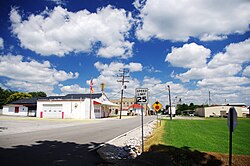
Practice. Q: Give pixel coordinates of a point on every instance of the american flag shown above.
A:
(91, 86)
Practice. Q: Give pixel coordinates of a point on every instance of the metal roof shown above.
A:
(67, 97)
(82, 96)
(27, 101)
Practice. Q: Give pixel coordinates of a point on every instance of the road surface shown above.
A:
(63, 146)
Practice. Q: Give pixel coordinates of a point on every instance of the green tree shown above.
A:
(181, 108)
(192, 106)
(17, 96)
(4, 94)
(38, 94)
(166, 107)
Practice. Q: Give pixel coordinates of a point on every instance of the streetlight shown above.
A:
(170, 102)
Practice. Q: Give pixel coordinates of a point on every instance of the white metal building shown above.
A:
(216, 111)
(22, 107)
(17, 110)
(75, 106)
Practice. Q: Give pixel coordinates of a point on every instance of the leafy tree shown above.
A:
(8, 96)
(192, 106)
(166, 107)
(184, 108)
(17, 96)
(38, 94)
(181, 107)
(4, 94)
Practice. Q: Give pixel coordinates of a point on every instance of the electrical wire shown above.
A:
(117, 93)
(157, 93)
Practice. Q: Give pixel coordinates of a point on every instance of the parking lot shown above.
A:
(14, 125)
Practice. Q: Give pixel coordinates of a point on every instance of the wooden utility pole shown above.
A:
(123, 75)
(209, 98)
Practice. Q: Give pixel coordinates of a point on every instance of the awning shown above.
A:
(97, 102)
(108, 103)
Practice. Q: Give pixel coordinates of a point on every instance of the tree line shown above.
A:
(184, 109)
(7, 96)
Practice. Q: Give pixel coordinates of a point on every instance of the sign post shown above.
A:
(141, 98)
(231, 122)
(157, 107)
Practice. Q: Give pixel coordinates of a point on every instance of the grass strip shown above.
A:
(210, 135)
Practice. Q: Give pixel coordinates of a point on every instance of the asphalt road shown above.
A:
(70, 145)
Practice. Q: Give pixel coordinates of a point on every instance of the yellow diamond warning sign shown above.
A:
(157, 106)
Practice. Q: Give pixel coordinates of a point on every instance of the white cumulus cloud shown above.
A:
(246, 71)
(30, 74)
(206, 72)
(114, 67)
(73, 89)
(189, 56)
(235, 53)
(223, 64)
(224, 75)
(224, 81)
(109, 76)
(179, 20)
(59, 31)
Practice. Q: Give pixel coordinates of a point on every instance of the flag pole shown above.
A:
(90, 104)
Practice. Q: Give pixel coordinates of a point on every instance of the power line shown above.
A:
(123, 75)
(114, 94)
(129, 93)
(157, 93)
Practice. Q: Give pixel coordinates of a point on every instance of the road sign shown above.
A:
(232, 119)
(141, 95)
(157, 106)
(231, 122)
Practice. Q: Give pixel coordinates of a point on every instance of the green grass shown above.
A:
(210, 135)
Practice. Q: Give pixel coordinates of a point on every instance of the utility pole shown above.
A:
(209, 98)
(170, 102)
(123, 75)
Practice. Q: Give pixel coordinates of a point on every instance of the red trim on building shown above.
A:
(136, 106)
(97, 103)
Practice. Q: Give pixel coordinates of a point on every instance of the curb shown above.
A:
(124, 134)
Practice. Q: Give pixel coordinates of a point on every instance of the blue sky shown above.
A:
(57, 46)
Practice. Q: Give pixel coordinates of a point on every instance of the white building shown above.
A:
(218, 111)
(75, 106)
(22, 107)
(136, 109)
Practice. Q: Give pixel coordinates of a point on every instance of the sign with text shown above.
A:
(141, 95)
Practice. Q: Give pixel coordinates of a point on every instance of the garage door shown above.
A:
(52, 110)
